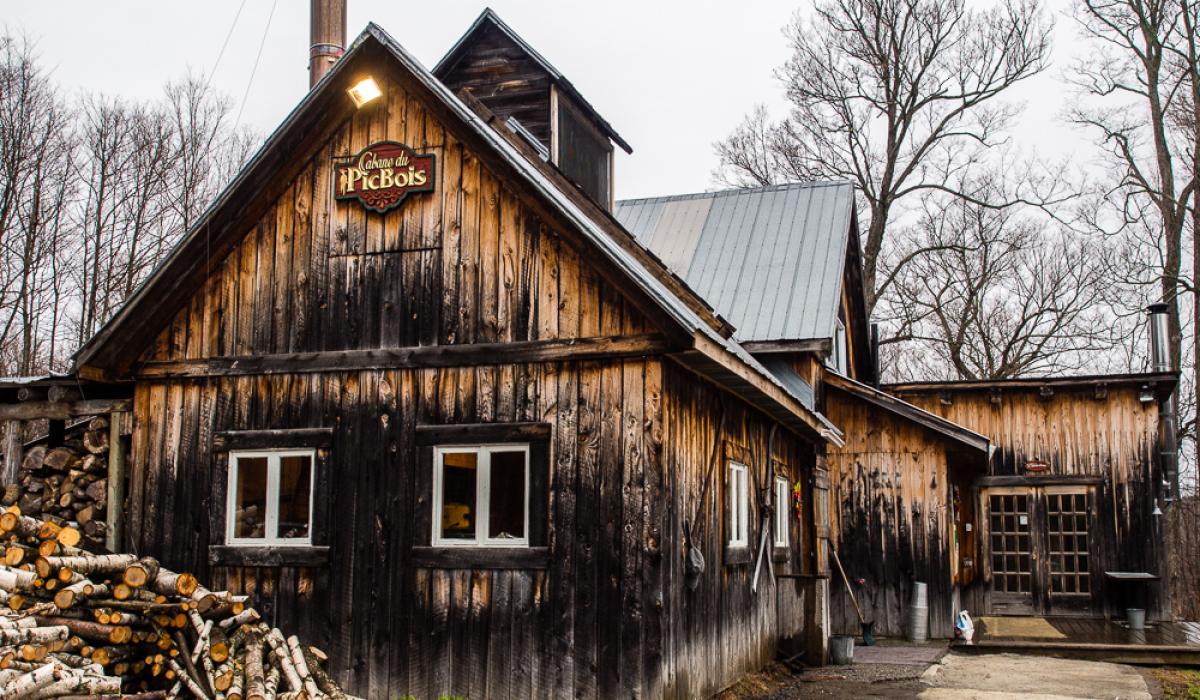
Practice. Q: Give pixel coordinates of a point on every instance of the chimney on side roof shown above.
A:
(1160, 348)
(327, 32)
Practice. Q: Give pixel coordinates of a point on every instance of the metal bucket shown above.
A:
(916, 628)
(1136, 617)
(842, 650)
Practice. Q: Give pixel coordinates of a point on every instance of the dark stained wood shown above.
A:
(481, 557)
(484, 432)
(430, 356)
(222, 555)
(282, 438)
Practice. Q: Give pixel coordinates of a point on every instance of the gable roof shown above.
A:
(488, 19)
(769, 259)
(149, 308)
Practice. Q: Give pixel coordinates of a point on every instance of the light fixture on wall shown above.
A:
(1157, 511)
(364, 91)
(1146, 394)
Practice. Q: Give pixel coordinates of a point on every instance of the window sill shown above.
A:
(481, 557)
(780, 554)
(229, 555)
(736, 556)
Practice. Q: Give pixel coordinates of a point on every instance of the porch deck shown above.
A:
(1174, 643)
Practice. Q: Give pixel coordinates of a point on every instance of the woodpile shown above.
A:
(78, 624)
(67, 484)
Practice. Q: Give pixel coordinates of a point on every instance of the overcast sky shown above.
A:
(671, 77)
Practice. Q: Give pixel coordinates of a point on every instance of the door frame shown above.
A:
(1042, 600)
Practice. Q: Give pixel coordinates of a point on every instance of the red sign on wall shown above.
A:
(383, 174)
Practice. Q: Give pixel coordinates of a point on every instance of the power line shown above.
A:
(224, 45)
(250, 82)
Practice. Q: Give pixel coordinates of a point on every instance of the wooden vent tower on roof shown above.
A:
(518, 85)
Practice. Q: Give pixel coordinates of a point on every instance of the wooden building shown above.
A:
(929, 477)
(1067, 505)
(418, 385)
(410, 385)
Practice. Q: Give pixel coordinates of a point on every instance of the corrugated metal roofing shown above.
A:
(768, 259)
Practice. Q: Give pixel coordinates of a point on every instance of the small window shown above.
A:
(481, 496)
(782, 510)
(839, 358)
(739, 511)
(270, 497)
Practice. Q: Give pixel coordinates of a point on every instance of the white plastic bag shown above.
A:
(964, 629)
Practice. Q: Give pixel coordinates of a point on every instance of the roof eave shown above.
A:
(903, 409)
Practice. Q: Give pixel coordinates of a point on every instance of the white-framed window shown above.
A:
(782, 503)
(481, 496)
(270, 497)
(739, 506)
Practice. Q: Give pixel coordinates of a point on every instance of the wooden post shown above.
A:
(327, 29)
(13, 451)
(116, 485)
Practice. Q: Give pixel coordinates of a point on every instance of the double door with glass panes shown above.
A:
(1039, 550)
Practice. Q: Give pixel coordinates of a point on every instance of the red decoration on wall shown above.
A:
(383, 174)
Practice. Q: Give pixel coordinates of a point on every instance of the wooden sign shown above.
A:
(1036, 466)
(383, 174)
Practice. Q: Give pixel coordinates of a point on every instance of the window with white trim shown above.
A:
(781, 511)
(270, 497)
(739, 505)
(481, 496)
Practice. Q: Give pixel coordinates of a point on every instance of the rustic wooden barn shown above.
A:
(463, 440)
(1066, 510)
(901, 495)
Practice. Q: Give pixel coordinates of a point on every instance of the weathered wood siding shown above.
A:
(722, 629)
(889, 518)
(505, 79)
(470, 263)
(467, 263)
(632, 442)
(1110, 435)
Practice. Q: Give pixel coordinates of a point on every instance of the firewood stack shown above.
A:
(67, 484)
(96, 625)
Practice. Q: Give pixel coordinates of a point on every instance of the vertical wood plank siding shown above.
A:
(631, 443)
(630, 449)
(889, 497)
(1112, 437)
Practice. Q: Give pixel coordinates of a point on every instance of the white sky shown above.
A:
(671, 77)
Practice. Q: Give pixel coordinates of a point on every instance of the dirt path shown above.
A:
(953, 676)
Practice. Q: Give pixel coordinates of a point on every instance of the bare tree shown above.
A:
(897, 96)
(1000, 293)
(94, 192)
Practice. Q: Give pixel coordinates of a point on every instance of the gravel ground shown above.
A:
(778, 682)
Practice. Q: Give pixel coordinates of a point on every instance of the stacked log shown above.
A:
(67, 484)
(74, 623)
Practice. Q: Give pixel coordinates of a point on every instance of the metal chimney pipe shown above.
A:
(1160, 361)
(327, 32)
(1160, 347)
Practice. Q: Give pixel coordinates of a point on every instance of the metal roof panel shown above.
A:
(769, 259)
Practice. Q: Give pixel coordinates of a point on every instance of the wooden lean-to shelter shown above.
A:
(452, 422)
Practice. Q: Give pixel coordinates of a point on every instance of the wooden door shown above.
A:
(1067, 562)
(1013, 559)
(1039, 550)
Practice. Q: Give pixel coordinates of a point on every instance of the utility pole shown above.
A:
(327, 23)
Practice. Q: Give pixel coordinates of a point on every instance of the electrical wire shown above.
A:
(250, 82)
(224, 45)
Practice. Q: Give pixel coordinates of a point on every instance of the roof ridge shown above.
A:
(731, 191)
